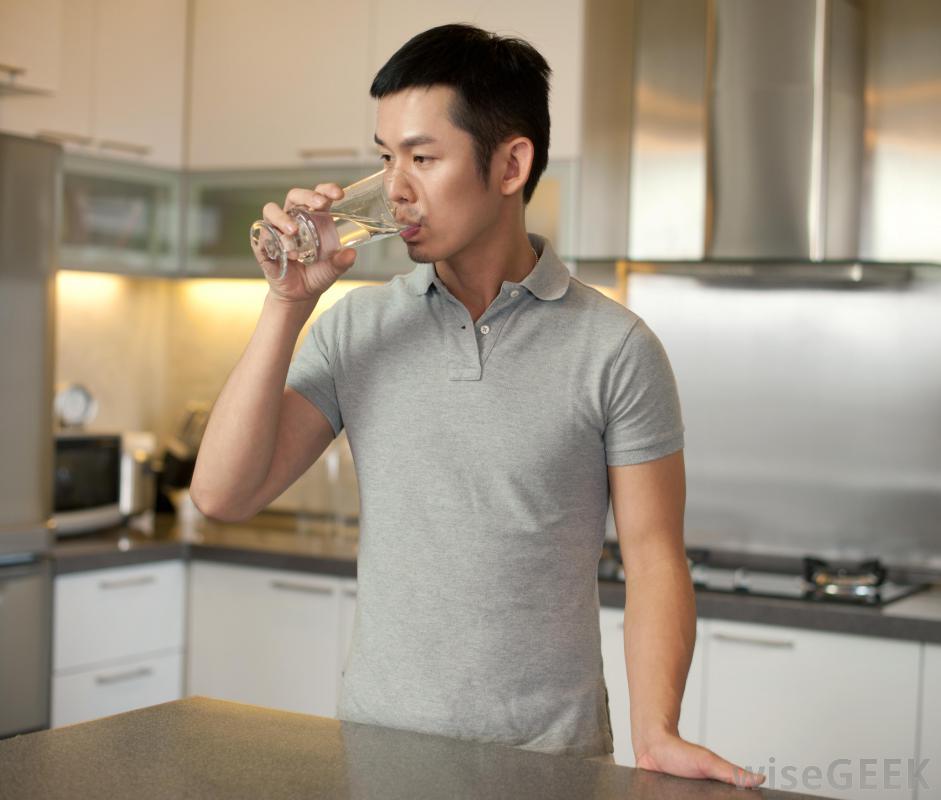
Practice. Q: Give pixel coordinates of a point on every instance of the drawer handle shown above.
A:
(13, 71)
(728, 637)
(127, 582)
(125, 147)
(299, 587)
(142, 672)
(63, 137)
(327, 152)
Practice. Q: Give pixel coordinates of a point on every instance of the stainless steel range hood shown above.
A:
(741, 139)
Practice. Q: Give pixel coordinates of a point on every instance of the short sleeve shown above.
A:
(311, 372)
(643, 416)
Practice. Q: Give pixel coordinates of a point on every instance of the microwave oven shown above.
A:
(100, 480)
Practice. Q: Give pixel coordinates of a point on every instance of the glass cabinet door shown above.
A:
(119, 217)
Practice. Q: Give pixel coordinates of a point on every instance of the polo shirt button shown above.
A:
(514, 293)
(485, 329)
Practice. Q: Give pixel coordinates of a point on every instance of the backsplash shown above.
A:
(145, 347)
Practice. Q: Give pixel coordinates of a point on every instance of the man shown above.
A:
(490, 401)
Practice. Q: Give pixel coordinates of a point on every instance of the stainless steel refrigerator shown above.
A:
(30, 173)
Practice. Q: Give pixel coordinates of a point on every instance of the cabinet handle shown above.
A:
(327, 152)
(13, 71)
(728, 637)
(62, 137)
(299, 587)
(123, 584)
(142, 672)
(125, 147)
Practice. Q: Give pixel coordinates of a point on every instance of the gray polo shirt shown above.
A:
(481, 452)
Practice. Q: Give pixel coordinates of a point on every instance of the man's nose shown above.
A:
(400, 188)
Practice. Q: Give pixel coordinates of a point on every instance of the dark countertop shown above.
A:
(279, 541)
(203, 748)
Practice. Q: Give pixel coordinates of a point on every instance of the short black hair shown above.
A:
(501, 86)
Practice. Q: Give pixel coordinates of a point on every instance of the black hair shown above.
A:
(501, 86)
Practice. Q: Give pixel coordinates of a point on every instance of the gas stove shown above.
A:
(811, 579)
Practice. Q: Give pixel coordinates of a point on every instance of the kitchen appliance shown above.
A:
(102, 480)
(30, 174)
(862, 583)
(755, 140)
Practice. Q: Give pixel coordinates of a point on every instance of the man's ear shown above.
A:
(515, 160)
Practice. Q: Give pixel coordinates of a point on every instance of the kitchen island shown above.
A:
(203, 748)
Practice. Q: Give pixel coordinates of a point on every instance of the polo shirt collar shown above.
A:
(548, 280)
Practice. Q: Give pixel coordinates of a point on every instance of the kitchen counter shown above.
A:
(203, 748)
(287, 542)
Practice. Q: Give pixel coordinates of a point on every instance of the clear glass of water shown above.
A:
(365, 214)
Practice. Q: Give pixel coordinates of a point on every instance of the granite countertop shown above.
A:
(280, 541)
(203, 748)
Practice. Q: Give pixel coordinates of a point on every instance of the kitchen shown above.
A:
(776, 234)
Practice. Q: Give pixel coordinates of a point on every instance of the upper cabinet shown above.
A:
(281, 87)
(253, 106)
(554, 29)
(31, 39)
(119, 82)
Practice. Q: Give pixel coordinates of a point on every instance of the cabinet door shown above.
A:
(789, 700)
(266, 637)
(615, 676)
(31, 32)
(279, 85)
(66, 115)
(554, 29)
(138, 93)
(930, 737)
(99, 692)
(122, 612)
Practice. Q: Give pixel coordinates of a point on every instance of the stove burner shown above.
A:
(863, 583)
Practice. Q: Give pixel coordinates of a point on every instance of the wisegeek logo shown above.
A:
(843, 773)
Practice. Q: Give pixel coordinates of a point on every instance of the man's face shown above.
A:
(436, 181)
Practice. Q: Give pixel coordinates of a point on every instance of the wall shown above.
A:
(813, 415)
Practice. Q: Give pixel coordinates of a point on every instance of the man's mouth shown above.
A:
(410, 233)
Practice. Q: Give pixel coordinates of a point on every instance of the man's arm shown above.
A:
(261, 436)
(660, 618)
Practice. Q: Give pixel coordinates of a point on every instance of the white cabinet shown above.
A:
(792, 699)
(31, 32)
(278, 85)
(120, 74)
(930, 734)
(117, 641)
(615, 675)
(106, 690)
(554, 29)
(266, 637)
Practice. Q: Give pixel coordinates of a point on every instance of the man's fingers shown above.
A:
(721, 770)
(319, 198)
(343, 258)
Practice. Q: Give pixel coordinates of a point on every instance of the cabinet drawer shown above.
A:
(117, 613)
(102, 691)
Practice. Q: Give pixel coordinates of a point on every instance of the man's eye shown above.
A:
(422, 159)
(385, 157)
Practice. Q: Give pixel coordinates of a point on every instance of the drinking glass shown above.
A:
(364, 214)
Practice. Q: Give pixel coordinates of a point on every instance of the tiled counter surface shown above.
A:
(203, 748)
(281, 542)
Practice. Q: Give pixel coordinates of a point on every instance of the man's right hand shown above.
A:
(303, 282)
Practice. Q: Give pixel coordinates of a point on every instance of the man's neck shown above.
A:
(476, 278)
